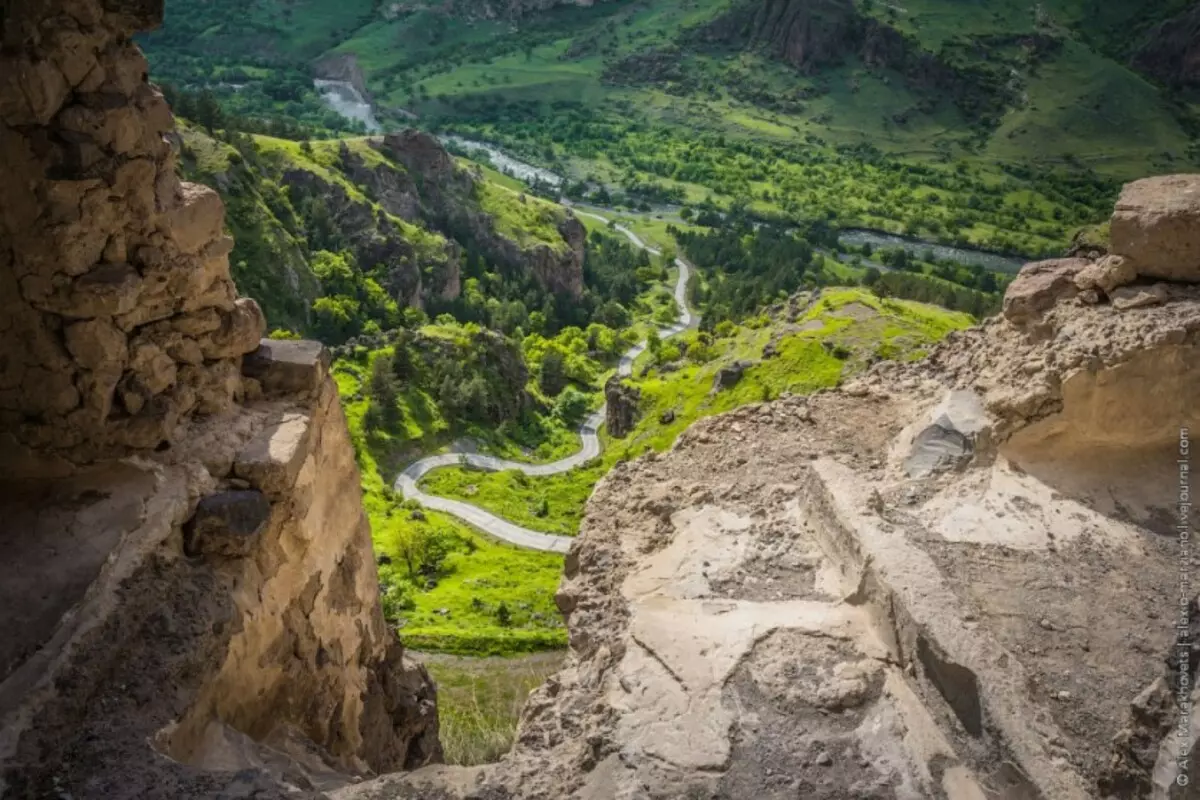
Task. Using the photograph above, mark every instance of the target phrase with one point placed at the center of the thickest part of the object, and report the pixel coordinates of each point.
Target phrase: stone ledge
(227, 524)
(288, 367)
(982, 683)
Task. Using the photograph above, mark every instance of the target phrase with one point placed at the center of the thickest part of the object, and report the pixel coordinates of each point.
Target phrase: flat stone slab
(288, 367)
(272, 459)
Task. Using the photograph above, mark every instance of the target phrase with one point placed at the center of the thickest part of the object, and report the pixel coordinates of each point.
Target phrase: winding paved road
(408, 480)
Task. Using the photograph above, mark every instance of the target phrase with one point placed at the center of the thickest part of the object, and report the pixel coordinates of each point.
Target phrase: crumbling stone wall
(118, 316)
(188, 571)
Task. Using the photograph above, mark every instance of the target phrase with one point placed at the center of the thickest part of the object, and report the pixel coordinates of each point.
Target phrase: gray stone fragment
(948, 441)
(227, 524)
(730, 376)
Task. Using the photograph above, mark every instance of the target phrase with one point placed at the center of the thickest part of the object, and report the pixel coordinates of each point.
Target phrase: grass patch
(480, 701)
(525, 219)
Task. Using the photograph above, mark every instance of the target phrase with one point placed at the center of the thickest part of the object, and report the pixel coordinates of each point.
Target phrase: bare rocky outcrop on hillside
(1172, 50)
(812, 35)
(498, 9)
(620, 407)
(187, 588)
(445, 196)
(958, 578)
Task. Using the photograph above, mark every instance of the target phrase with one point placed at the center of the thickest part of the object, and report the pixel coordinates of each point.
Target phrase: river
(506, 163)
(877, 239)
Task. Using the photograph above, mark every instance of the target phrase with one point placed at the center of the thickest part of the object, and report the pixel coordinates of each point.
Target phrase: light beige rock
(198, 219)
(272, 459)
(240, 331)
(154, 369)
(1039, 286)
(1106, 274)
(1157, 225)
(1130, 297)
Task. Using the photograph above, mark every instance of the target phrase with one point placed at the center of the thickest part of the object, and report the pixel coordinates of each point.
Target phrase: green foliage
(855, 328)
(552, 372)
(480, 701)
(572, 406)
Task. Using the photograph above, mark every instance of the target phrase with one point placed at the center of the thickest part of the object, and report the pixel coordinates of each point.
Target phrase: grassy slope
(269, 261)
(859, 104)
(459, 614)
(895, 329)
(480, 700)
(527, 220)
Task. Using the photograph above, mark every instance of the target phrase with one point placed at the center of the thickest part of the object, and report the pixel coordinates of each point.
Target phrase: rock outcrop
(187, 590)
(1172, 50)
(447, 197)
(955, 578)
(814, 34)
(507, 9)
(620, 407)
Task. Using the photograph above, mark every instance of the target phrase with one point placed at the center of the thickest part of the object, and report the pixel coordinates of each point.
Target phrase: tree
(552, 377)
(403, 368)
(208, 111)
(571, 406)
(382, 390)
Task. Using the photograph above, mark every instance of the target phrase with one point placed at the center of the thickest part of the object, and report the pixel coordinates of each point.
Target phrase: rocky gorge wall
(188, 589)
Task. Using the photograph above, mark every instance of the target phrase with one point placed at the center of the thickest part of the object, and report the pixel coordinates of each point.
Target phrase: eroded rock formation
(957, 578)
(620, 407)
(190, 602)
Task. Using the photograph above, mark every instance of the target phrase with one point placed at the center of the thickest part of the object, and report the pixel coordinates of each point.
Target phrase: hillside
(340, 238)
(1006, 127)
(932, 76)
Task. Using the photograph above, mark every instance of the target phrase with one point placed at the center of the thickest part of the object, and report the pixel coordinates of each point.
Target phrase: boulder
(1157, 225)
(730, 376)
(227, 524)
(1039, 286)
(621, 407)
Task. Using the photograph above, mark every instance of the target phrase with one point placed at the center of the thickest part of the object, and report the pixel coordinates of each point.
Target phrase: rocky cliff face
(1172, 50)
(500, 9)
(813, 34)
(957, 578)
(189, 594)
(449, 199)
(398, 204)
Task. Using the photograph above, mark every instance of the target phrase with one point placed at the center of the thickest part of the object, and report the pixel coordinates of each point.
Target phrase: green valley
(489, 219)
